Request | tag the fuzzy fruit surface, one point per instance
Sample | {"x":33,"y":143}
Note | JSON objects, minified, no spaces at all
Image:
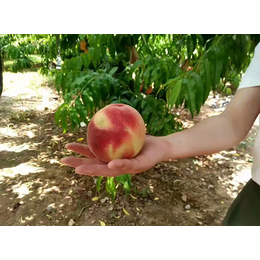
{"x":116,"y":131}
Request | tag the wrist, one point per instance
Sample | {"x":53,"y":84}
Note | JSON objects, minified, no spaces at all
{"x":172,"y":147}
{"x":167,"y":147}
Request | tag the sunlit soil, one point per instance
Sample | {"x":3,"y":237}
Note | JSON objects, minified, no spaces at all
{"x":35,"y":189}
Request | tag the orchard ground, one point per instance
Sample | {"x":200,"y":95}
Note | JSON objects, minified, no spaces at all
{"x":35,"y":189}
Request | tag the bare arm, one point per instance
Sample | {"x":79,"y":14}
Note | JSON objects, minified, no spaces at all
{"x":219,"y":132}
{"x":210,"y":136}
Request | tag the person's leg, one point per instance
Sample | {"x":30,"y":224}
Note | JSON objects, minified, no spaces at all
{"x":245,"y":210}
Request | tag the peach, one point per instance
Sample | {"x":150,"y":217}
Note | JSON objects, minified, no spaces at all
{"x":116,"y":131}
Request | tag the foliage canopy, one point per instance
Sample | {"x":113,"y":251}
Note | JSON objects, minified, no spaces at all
{"x":153,"y":73}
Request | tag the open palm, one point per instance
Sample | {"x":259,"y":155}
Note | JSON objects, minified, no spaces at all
{"x":153,"y":151}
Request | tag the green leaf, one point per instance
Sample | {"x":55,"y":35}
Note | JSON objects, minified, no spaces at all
{"x":111,"y":188}
{"x":64,"y":123}
{"x":126,"y":92}
{"x":147,"y":75}
{"x":218,"y":65}
{"x":80,"y":80}
{"x":57,"y":114}
{"x":76,"y":119}
{"x":146,"y":112}
{"x":125,"y":179}
{"x":81,"y":109}
{"x":112,"y":50}
{"x":86,"y":59}
{"x":154,"y":74}
{"x":206,"y":78}
{"x":126,"y":101}
{"x":145,"y":37}
{"x":194,"y":41}
{"x":137,"y":82}
{"x":165,"y":72}
{"x":73,"y":124}
{"x":98,"y":184}
{"x":190,"y":46}
{"x":78,"y":62}
{"x":136,"y":65}
{"x":96,"y":95}
{"x":87,"y":99}
{"x":113,"y":70}
{"x":173,"y":92}
{"x":83,"y":116}
{"x":197,"y":85}
{"x":189,"y":94}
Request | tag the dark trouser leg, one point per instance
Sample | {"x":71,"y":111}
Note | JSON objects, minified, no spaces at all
{"x":245,"y":210}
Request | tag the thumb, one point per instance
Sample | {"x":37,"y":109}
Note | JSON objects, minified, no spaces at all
{"x":122,"y":164}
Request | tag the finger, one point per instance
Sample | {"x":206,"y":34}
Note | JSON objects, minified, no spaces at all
{"x":98,"y":170}
{"x":81,"y":149}
{"x":135,"y":165}
{"x":75,"y":161}
{"x":123,"y":164}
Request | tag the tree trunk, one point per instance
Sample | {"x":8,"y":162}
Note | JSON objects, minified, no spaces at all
{"x":1,"y":72}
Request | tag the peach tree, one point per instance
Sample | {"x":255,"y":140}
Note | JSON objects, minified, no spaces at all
{"x":16,"y":47}
{"x":152,"y":73}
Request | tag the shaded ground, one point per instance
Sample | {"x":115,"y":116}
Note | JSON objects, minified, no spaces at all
{"x":36,"y":190}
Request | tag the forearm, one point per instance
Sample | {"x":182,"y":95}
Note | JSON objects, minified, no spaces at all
{"x":209,"y":136}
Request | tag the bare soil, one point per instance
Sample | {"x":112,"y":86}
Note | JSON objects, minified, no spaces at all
{"x":35,"y":189}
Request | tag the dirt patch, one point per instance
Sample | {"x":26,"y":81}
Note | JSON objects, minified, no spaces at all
{"x":35,"y":189}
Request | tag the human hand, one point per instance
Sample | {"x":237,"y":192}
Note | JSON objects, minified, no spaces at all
{"x":154,"y":150}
